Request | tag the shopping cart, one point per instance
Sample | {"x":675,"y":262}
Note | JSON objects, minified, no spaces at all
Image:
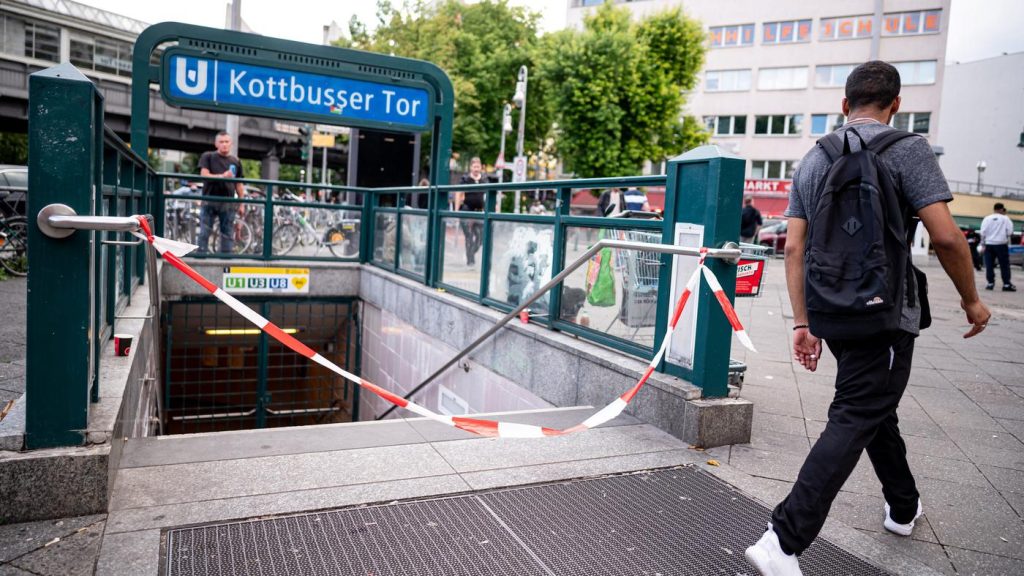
{"x":640,"y":271}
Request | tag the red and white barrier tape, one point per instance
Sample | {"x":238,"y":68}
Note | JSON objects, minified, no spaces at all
{"x":172,"y":251}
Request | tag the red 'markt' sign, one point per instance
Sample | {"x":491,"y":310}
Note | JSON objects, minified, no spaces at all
{"x":776,"y":186}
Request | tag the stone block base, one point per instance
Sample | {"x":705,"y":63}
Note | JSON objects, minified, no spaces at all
{"x":717,"y":422}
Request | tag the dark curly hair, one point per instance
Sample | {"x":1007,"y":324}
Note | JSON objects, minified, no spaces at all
{"x":873,"y":83}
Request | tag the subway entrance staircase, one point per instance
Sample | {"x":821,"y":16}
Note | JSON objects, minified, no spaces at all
{"x":412,"y":496}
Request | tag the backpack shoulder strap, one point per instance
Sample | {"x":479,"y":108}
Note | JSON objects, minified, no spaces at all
{"x":879,"y":143}
{"x":832,"y":144}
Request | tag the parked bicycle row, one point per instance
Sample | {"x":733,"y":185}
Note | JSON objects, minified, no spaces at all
{"x":296,"y":230}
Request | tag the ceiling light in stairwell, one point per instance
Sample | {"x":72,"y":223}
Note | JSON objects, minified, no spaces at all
{"x":242,"y":331}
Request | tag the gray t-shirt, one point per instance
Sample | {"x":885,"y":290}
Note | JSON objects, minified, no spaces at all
{"x":914,"y":169}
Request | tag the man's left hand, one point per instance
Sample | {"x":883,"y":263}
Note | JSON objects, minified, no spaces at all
{"x":806,"y":349}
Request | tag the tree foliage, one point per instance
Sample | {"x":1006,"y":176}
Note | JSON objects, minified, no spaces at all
{"x":618,"y":89}
{"x":481,"y":47}
{"x":13,"y":148}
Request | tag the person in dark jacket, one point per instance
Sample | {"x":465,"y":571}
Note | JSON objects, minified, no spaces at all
{"x":472,"y":202}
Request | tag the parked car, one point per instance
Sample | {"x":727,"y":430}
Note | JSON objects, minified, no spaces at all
{"x":13,"y":190}
{"x":773,"y":236}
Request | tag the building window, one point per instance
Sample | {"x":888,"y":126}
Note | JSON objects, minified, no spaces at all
{"x":726,"y":80}
{"x":910,"y":23}
{"x":29,"y":39}
{"x":920,"y":72}
{"x":825,"y":123}
{"x":916,"y":122}
{"x":782,"y":78}
{"x":833,"y":76}
{"x":772,"y":169}
{"x":846,"y":27}
{"x":785,"y":125}
{"x":729,"y":36}
{"x":786,"y":32}
{"x":101,"y":54}
{"x":726,"y":125}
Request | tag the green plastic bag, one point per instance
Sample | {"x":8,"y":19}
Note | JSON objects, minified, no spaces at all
{"x":601,"y":280}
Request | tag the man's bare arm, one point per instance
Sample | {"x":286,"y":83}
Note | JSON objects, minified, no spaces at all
{"x":955,"y":257}
{"x":796,"y":240}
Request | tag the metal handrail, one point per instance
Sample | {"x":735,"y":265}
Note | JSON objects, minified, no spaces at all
{"x":60,"y":221}
{"x":730,"y":253}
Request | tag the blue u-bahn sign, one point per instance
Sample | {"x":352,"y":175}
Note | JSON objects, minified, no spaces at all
{"x":225,"y":85}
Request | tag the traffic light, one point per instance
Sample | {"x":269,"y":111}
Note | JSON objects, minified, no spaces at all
{"x":306,"y":131}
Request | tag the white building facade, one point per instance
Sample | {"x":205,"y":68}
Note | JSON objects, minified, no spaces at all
{"x":775,"y":71}
{"x":983,"y":122}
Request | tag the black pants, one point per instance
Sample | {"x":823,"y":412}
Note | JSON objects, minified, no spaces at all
{"x":872,"y":376}
{"x":1002,"y":253}
{"x":473,"y":230}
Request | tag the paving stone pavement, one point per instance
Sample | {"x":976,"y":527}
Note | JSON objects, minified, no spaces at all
{"x":962,"y":417}
{"x":13,"y":292}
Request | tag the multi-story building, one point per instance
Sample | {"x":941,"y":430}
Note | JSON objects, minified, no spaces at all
{"x":774,"y":73}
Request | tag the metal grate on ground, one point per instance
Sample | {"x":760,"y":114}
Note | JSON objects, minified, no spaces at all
{"x":668,"y":522}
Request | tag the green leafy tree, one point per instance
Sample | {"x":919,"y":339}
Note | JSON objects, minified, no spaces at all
{"x":618,"y":89}
{"x":481,"y":47}
{"x":13,"y":148}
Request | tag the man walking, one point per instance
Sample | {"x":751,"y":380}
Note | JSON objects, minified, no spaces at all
{"x":996,"y":231}
{"x":750,"y":222}
{"x":872,"y":371}
{"x":220,"y":163}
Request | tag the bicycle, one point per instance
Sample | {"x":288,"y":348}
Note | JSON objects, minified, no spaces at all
{"x":14,"y":245}
{"x":291,"y":227}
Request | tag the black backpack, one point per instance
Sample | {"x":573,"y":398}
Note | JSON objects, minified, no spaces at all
{"x":858,"y":269}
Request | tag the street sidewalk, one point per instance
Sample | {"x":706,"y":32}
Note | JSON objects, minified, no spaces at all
{"x":962,"y":418}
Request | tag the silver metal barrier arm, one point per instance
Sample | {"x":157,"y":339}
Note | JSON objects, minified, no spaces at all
{"x":61,"y":221}
{"x":730,"y":253}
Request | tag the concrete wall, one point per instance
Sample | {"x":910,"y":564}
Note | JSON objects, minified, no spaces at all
{"x":398,"y":356}
{"x":555,"y":367}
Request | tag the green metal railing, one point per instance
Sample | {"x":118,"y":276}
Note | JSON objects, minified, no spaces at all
{"x":78,"y":285}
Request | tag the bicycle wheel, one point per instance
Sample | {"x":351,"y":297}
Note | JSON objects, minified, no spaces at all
{"x":285,"y":238}
{"x":14,"y":250}
{"x":342,"y":244}
{"x":243,"y":237}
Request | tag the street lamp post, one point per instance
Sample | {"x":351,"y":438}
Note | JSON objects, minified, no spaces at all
{"x":981,"y":169}
{"x":519,"y":99}
{"x":506,"y":126}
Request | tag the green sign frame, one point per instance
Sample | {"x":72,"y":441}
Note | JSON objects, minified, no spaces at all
{"x":297,"y":56}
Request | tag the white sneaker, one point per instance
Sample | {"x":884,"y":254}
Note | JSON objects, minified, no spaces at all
{"x":769,"y":559}
{"x":900,"y":529}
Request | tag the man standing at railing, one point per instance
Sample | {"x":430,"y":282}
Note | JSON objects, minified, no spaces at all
{"x":220,"y":163}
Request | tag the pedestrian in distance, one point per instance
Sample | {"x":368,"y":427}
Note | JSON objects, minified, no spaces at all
{"x":851,"y":283}
{"x":220,"y":163}
{"x":473,"y":202}
{"x":750,"y":221}
{"x":996,"y":231}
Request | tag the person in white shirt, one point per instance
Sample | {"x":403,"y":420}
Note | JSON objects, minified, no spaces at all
{"x":996,"y":230}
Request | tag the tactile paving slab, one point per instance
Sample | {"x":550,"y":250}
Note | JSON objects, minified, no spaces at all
{"x":665,"y":522}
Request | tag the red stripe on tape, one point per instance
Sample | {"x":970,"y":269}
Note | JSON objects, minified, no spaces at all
{"x":288,"y":340}
{"x":727,"y":308}
{"x":553,"y":432}
{"x":477,"y":426}
{"x":628,"y":396}
{"x":177,"y":263}
{"x":393,"y":398}
{"x":679,"y":308}
{"x":144,"y":224}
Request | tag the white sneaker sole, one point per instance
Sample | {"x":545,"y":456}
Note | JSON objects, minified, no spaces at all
{"x":758,"y":559}
{"x":901,"y":529}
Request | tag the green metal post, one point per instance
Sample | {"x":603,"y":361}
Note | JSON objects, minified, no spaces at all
{"x":63,"y":120}
{"x":704,"y":187}
{"x":268,"y":223}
